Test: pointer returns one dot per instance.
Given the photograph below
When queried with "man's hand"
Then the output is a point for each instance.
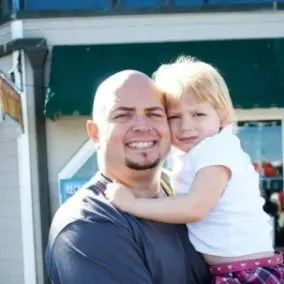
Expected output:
(121, 197)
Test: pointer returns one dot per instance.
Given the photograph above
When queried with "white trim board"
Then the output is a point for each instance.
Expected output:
(26, 188)
(1, 114)
(77, 161)
(157, 28)
(260, 114)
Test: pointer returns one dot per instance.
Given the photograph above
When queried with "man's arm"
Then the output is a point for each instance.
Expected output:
(97, 253)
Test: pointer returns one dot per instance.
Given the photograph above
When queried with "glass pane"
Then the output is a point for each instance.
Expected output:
(262, 140)
(88, 169)
(69, 186)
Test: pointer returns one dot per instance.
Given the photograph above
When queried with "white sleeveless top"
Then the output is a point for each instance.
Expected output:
(237, 225)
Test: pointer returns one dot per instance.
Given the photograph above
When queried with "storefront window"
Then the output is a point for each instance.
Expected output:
(80, 168)
(262, 140)
(88, 169)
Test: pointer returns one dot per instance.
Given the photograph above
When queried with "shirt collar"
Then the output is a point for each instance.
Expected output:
(98, 182)
(229, 128)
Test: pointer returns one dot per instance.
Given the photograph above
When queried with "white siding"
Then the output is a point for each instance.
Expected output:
(34, 178)
(5, 34)
(64, 139)
(11, 257)
(6, 62)
(157, 28)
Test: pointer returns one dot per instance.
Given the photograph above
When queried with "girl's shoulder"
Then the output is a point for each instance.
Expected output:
(218, 144)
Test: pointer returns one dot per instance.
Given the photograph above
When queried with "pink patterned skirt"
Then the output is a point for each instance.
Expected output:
(268, 270)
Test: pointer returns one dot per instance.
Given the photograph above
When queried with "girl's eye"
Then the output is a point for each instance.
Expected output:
(170, 117)
(198, 114)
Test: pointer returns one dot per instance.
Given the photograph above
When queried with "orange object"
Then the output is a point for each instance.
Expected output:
(265, 168)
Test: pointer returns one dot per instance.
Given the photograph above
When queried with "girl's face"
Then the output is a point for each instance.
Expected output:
(191, 122)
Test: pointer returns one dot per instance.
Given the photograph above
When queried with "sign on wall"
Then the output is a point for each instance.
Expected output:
(10, 100)
(68, 187)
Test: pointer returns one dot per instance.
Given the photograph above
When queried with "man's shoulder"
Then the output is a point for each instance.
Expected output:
(84, 209)
(88, 205)
(83, 226)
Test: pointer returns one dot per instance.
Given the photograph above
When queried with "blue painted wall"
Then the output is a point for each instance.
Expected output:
(241, 1)
(105, 4)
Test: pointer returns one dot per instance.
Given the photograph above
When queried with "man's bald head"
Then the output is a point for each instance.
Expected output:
(129, 109)
(123, 81)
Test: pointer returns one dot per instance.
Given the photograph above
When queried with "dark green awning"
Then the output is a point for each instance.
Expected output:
(253, 69)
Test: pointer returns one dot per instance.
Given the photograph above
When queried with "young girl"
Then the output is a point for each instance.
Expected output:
(216, 184)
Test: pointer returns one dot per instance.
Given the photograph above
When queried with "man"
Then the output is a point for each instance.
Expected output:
(90, 241)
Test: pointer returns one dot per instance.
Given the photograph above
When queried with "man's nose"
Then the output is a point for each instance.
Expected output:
(141, 124)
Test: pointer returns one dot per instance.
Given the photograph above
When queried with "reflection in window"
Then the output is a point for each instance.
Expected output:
(88, 170)
(263, 142)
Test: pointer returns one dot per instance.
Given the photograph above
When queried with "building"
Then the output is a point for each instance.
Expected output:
(56, 52)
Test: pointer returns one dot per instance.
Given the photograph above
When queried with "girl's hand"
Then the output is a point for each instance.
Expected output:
(121, 197)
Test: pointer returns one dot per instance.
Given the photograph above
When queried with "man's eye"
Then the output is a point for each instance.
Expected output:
(122, 115)
(155, 114)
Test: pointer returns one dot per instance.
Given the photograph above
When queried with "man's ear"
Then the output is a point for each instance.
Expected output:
(93, 131)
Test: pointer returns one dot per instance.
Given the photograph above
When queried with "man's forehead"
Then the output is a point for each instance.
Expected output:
(123, 79)
(135, 95)
(128, 89)
(136, 100)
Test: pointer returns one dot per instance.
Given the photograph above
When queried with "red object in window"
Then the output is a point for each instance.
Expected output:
(265, 168)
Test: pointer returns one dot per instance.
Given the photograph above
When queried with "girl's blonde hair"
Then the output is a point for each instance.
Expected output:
(187, 75)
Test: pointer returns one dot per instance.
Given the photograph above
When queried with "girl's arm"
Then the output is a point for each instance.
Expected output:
(207, 187)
